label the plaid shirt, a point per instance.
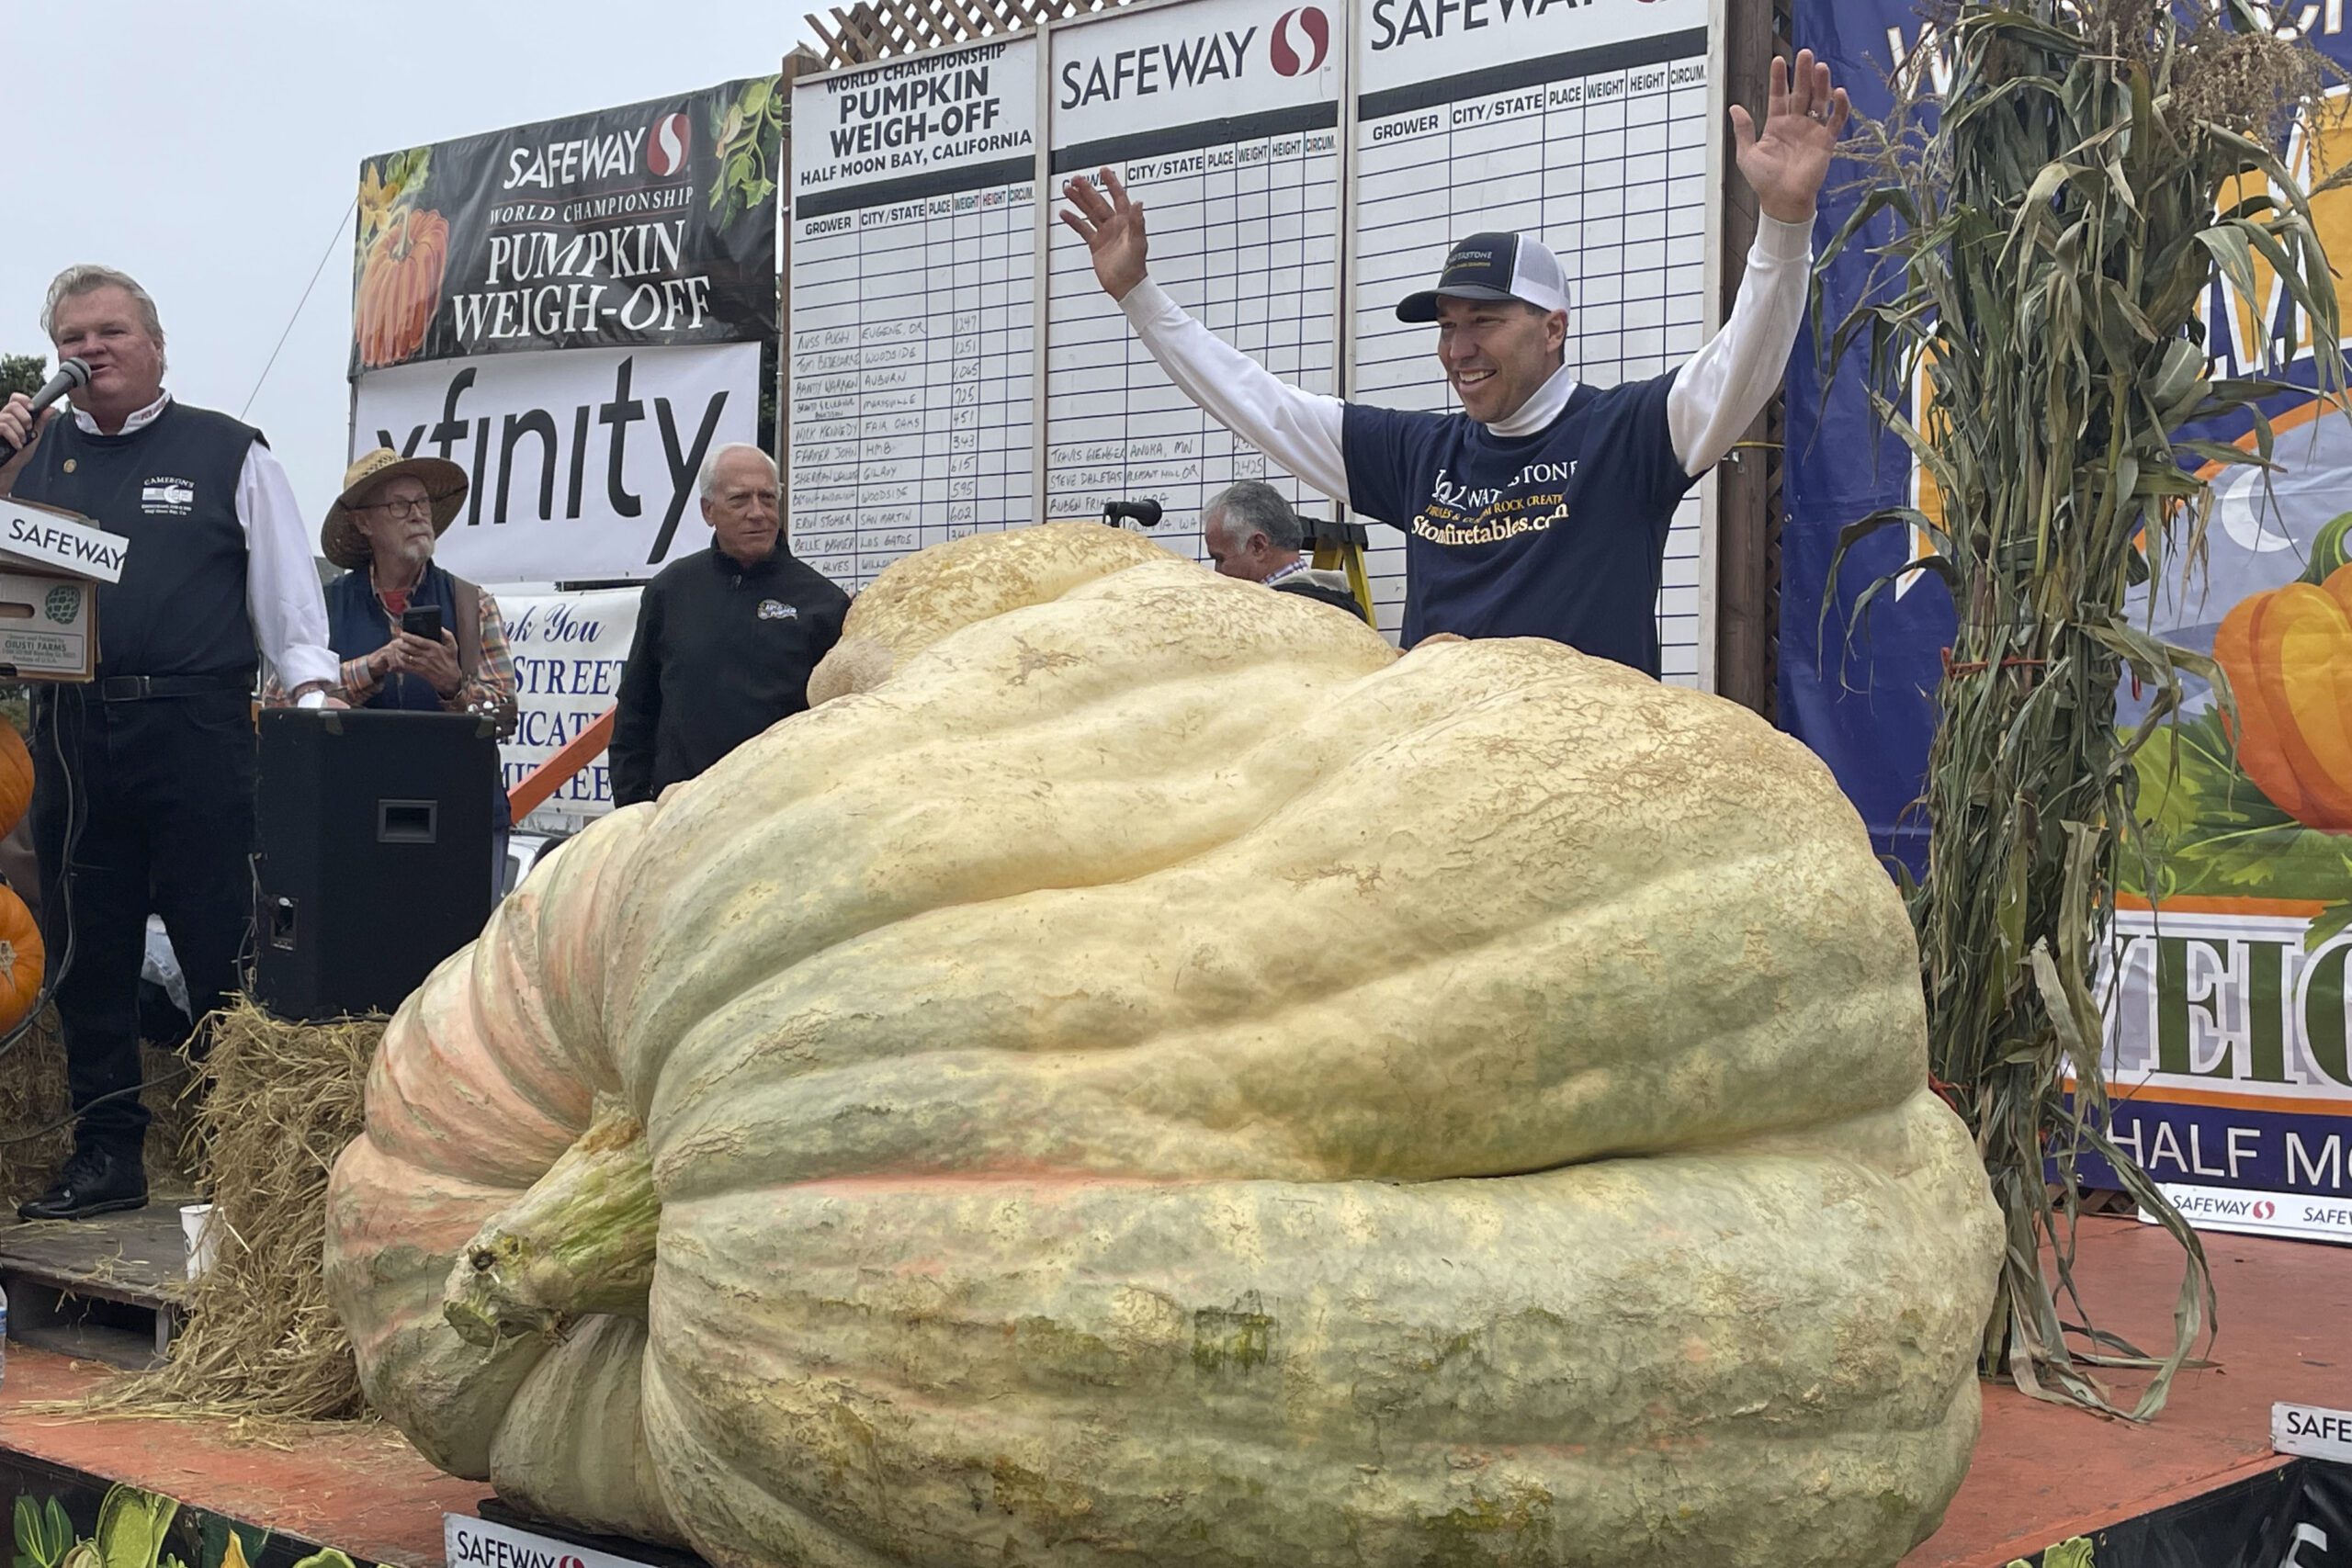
(483, 688)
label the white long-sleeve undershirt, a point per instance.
(1720, 392)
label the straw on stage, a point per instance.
(260, 1344)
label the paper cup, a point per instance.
(196, 1226)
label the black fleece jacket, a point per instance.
(722, 651)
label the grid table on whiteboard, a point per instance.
(1244, 235)
(1606, 161)
(913, 273)
(911, 378)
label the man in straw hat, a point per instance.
(143, 794)
(381, 529)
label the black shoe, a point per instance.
(92, 1182)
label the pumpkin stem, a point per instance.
(579, 1242)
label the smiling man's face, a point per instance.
(104, 327)
(1496, 353)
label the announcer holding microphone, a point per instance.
(153, 761)
(1542, 508)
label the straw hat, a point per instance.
(340, 539)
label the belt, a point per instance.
(135, 688)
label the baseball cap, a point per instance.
(1494, 266)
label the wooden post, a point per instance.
(798, 61)
(532, 790)
(1748, 485)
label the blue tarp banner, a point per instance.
(2229, 1047)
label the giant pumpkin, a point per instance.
(1145, 1075)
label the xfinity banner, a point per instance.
(649, 224)
(583, 463)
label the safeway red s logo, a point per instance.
(666, 149)
(1299, 41)
(2264, 1209)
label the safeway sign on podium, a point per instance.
(43, 536)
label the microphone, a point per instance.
(1146, 511)
(71, 373)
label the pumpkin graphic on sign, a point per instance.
(403, 253)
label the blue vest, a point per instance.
(357, 624)
(170, 488)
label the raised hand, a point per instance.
(1804, 117)
(1112, 227)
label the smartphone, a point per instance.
(423, 620)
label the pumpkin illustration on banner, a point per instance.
(15, 778)
(1142, 1072)
(22, 960)
(403, 252)
(2288, 655)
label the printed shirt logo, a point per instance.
(770, 610)
(1458, 514)
(167, 495)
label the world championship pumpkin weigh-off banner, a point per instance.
(572, 311)
(653, 224)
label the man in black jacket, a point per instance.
(726, 637)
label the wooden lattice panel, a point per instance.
(884, 30)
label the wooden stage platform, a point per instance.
(107, 1289)
(2042, 1473)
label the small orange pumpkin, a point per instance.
(400, 286)
(2288, 655)
(15, 779)
(22, 959)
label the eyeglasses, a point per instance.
(421, 506)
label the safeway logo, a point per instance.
(1299, 41)
(2264, 1209)
(673, 139)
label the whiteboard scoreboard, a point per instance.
(1302, 167)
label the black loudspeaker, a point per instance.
(375, 829)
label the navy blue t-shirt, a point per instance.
(1559, 535)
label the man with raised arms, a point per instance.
(1542, 508)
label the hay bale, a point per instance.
(37, 1132)
(260, 1341)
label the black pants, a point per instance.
(159, 794)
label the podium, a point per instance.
(375, 833)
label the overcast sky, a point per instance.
(212, 150)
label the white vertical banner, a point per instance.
(568, 650)
(1222, 117)
(583, 461)
(913, 232)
